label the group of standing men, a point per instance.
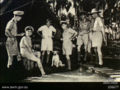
(91, 34)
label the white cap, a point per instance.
(19, 13)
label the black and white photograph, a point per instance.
(60, 41)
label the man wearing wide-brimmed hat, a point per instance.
(82, 38)
(11, 33)
(98, 35)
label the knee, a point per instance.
(68, 57)
(10, 57)
(78, 48)
(95, 49)
(38, 61)
(48, 52)
(99, 51)
(86, 48)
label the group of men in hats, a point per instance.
(91, 34)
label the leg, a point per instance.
(10, 60)
(85, 41)
(42, 56)
(86, 52)
(79, 53)
(100, 55)
(68, 62)
(48, 56)
(38, 61)
(89, 51)
(40, 67)
(96, 54)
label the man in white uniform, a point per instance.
(98, 35)
(47, 42)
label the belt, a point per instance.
(22, 47)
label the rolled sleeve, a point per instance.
(8, 29)
(53, 29)
(41, 28)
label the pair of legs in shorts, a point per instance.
(96, 40)
(47, 45)
(82, 39)
(34, 56)
(67, 51)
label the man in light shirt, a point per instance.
(98, 35)
(11, 34)
(47, 42)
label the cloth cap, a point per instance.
(29, 28)
(19, 13)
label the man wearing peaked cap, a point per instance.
(11, 34)
(18, 13)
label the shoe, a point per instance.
(99, 66)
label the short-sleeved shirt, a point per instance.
(67, 34)
(26, 42)
(98, 24)
(84, 25)
(12, 27)
(47, 31)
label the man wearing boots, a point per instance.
(82, 38)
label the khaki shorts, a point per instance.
(97, 39)
(82, 39)
(47, 44)
(67, 47)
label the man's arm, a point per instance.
(54, 31)
(102, 29)
(74, 34)
(21, 34)
(39, 30)
(8, 29)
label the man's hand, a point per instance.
(22, 34)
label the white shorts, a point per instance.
(97, 39)
(67, 47)
(47, 44)
(82, 40)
